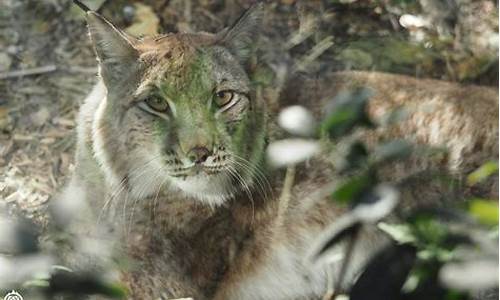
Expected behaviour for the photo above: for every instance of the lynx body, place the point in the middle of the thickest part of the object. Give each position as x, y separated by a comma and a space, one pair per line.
170, 155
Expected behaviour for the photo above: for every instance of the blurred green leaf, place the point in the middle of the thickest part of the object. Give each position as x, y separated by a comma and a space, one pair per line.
348, 111
353, 188
411, 283
429, 230
485, 211
355, 158
455, 295
84, 284
393, 150
358, 58
389, 54
401, 233
115, 291
38, 283
483, 172
418, 274
435, 253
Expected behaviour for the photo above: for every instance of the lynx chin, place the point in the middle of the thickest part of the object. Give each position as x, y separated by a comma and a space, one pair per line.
170, 157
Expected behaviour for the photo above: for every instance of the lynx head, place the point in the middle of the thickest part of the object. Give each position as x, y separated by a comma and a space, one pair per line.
179, 112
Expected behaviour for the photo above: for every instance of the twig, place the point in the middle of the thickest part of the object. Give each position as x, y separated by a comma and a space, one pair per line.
212, 17
330, 291
285, 196
28, 72
187, 16
187, 11
314, 53
308, 25
351, 243
85, 70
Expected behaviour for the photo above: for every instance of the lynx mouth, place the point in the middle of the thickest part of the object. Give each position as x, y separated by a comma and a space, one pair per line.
197, 170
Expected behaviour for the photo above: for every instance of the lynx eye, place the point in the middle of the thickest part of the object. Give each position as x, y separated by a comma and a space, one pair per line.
223, 98
157, 104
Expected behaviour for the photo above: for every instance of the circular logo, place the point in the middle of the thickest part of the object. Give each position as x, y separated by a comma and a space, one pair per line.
13, 295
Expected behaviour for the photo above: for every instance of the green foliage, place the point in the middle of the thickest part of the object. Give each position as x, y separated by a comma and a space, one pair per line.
427, 230
400, 233
390, 151
429, 239
485, 211
388, 54
356, 157
424, 232
455, 295
352, 190
348, 112
76, 284
116, 291
483, 172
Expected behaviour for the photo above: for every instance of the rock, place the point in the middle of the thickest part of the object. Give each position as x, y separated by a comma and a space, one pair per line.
5, 61
40, 117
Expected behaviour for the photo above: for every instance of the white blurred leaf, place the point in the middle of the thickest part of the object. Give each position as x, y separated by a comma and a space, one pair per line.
16, 270
326, 246
387, 200
17, 236
297, 120
68, 206
408, 21
401, 233
291, 151
471, 275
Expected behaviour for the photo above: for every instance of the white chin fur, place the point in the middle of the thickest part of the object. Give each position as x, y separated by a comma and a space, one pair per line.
211, 189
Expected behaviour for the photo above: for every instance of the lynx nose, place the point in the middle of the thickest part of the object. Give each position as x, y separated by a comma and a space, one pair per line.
198, 154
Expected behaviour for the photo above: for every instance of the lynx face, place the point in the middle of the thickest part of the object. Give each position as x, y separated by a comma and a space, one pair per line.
179, 111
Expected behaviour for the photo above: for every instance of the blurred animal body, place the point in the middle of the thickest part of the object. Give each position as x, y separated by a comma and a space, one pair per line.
170, 155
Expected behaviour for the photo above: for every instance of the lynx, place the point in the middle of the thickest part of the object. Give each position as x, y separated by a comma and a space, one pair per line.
173, 137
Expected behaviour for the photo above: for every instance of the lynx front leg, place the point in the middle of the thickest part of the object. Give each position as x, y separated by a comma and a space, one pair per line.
278, 274
151, 281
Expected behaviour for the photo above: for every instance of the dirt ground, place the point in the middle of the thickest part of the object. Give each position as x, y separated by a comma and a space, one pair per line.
47, 64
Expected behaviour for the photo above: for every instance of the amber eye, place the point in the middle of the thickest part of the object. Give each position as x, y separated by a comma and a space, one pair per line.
223, 97
156, 103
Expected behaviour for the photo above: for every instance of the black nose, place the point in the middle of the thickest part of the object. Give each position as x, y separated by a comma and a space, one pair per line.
198, 154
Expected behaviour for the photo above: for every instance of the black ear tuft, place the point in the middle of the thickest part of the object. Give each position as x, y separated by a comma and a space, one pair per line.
84, 7
239, 37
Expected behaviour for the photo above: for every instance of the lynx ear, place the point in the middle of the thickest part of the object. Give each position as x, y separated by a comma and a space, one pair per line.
114, 49
239, 37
